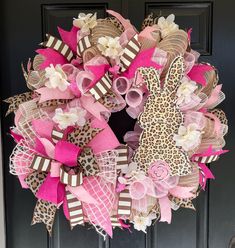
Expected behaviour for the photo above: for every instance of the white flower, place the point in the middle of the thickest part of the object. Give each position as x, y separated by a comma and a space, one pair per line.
56, 78
110, 47
129, 168
188, 137
85, 22
186, 91
167, 25
131, 174
142, 222
70, 118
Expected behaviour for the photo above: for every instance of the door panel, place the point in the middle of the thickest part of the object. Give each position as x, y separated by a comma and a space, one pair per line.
25, 24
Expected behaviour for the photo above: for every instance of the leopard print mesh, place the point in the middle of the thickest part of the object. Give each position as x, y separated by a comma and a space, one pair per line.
219, 113
150, 20
15, 101
160, 120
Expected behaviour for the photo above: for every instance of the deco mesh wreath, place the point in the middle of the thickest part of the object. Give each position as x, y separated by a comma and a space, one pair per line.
69, 157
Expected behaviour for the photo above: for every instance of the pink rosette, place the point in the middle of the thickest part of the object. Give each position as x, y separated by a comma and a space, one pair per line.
159, 172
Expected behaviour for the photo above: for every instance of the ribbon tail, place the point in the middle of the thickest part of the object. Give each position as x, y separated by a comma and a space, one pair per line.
182, 192
15, 101
165, 209
75, 210
204, 175
47, 216
82, 194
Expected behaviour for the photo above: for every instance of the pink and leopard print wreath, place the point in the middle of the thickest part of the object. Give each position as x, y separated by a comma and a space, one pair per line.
69, 157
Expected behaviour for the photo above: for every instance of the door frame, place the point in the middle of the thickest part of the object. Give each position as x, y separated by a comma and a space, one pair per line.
2, 205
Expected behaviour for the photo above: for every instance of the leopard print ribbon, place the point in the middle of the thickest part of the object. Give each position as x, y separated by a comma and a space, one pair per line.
15, 101
82, 136
35, 180
88, 162
44, 212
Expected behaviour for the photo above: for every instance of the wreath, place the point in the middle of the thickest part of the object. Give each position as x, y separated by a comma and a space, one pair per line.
69, 157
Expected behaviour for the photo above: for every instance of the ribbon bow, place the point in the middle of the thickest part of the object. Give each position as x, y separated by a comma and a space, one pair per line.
70, 155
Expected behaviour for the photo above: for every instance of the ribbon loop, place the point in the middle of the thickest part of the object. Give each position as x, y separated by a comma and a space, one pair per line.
130, 52
40, 163
71, 176
101, 87
56, 135
59, 46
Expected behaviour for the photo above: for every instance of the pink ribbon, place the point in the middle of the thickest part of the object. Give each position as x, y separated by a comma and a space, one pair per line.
142, 59
209, 152
214, 97
51, 190
121, 85
67, 153
165, 209
82, 194
204, 175
93, 107
105, 140
134, 97
197, 73
51, 57
50, 94
126, 23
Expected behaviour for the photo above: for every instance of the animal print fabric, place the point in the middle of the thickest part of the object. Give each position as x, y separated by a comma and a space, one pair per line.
219, 113
15, 101
35, 180
109, 100
53, 103
160, 120
150, 20
88, 162
82, 136
44, 212
184, 203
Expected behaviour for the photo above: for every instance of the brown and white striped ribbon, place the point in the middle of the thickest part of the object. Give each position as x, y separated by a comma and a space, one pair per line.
56, 135
58, 45
71, 176
76, 216
83, 44
101, 87
40, 163
206, 159
124, 203
130, 52
114, 221
122, 158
